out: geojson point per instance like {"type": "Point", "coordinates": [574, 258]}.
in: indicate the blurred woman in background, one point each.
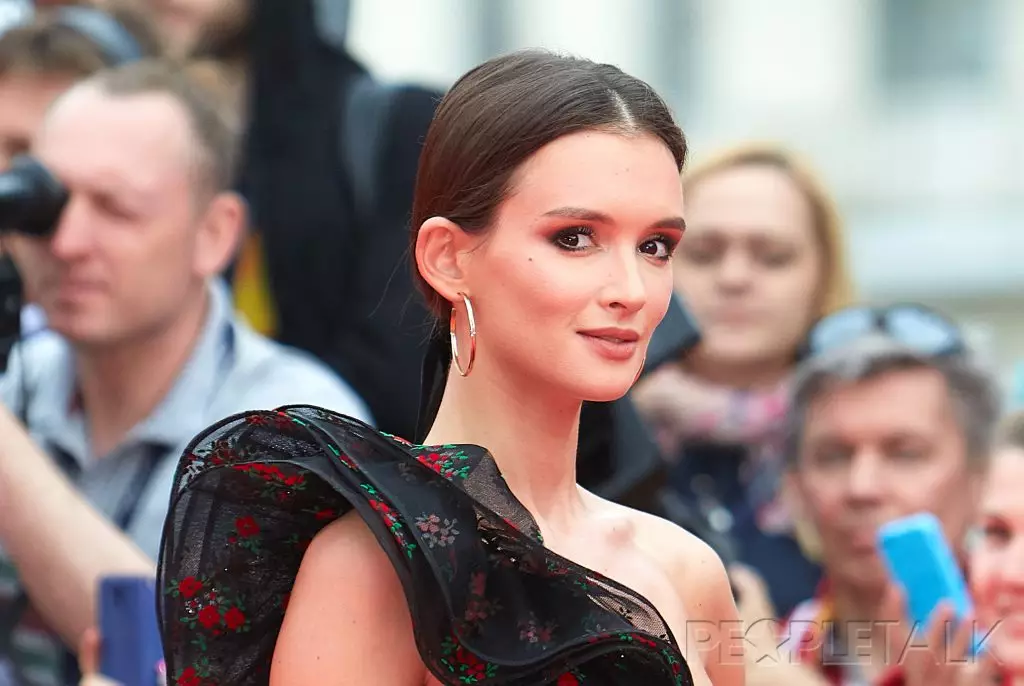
{"type": "Point", "coordinates": [997, 586]}
{"type": "Point", "coordinates": [997, 556]}
{"type": "Point", "coordinates": [763, 259]}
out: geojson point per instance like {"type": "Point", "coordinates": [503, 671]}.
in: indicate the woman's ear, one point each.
{"type": "Point", "coordinates": [441, 246]}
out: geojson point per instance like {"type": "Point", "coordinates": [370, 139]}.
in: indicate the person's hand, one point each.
{"type": "Point", "coordinates": [757, 614]}
{"type": "Point", "coordinates": [89, 661]}
{"type": "Point", "coordinates": [942, 656]}
{"type": "Point", "coordinates": [765, 666]}
{"type": "Point", "coordinates": [664, 400]}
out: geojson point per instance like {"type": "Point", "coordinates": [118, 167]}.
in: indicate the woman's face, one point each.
{"type": "Point", "coordinates": [997, 560]}
{"type": "Point", "coordinates": [576, 271]}
{"type": "Point", "coordinates": [750, 269]}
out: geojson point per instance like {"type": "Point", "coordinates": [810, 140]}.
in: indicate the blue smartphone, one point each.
{"type": "Point", "coordinates": [130, 650]}
{"type": "Point", "coordinates": [921, 561]}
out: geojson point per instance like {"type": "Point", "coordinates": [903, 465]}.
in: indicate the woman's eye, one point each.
{"type": "Point", "coordinates": [579, 238]}
{"type": "Point", "coordinates": [660, 248]}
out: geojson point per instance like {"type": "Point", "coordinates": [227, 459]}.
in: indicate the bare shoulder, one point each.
{"type": "Point", "coordinates": [347, 620]}
{"type": "Point", "coordinates": [691, 562]}
{"type": "Point", "coordinates": [684, 557]}
{"type": "Point", "coordinates": [701, 582]}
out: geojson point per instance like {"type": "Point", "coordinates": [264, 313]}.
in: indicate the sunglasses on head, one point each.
{"type": "Point", "coordinates": [915, 326]}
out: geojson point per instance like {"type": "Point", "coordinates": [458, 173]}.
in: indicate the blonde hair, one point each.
{"type": "Point", "coordinates": [837, 291]}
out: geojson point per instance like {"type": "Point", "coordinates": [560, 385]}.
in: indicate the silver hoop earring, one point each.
{"type": "Point", "coordinates": [471, 319]}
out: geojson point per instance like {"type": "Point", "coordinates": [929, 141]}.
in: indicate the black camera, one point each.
{"type": "Point", "coordinates": [31, 202]}
{"type": "Point", "coordinates": [31, 199]}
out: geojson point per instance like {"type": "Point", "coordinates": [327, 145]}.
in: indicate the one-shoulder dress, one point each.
{"type": "Point", "coordinates": [489, 603]}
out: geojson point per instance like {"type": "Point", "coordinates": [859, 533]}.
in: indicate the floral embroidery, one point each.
{"type": "Point", "coordinates": [468, 667]}
{"type": "Point", "coordinates": [293, 493]}
{"type": "Point", "coordinates": [276, 484]}
{"type": "Point", "coordinates": [345, 459]}
{"type": "Point", "coordinates": [276, 420]}
{"type": "Point", "coordinates": [194, 676]}
{"type": "Point", "coordinates": [449, 461]}
{"type": "Point", "coordinates": [247, 534]}
{"type": "Point", "coordinates": [209, 611]}
{"type": "Point", "coordinates": [390, 518]}
{"type": "Point", "coordinates": [533, 632]}
{"type": "Point", "coordinates": [637, 638]}
{"type": "Point", "coordinates": [676, 665]}
{"type": "Point", "coordinates": [479, 606]}
{"type": "Point", "coordinates": [399, 439]}
{"type": "Point", "coordinates": [437, 532]}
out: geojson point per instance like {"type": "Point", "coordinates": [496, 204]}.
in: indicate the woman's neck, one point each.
{"type": "Point", "coordinates": [533, 441]}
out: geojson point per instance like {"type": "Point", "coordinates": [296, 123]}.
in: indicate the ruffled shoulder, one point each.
{"type": "Point", "coordinates": [490, 604]}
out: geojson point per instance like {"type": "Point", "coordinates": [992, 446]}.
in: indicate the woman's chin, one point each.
{"type": "Point", "coordinates": [607, 392]}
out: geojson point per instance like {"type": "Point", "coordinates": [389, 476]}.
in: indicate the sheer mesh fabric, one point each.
{"type": "Point", "coordinates": [490, 604]}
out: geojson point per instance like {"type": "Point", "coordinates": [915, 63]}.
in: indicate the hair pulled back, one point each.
{"type": "Point", "coordinates": [500, 113]}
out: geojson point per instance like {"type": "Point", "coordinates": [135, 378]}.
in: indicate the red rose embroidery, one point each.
{"type": "Point", "coordinates": [209, 616]}
{"type": "Point", "coordinates": [567, 679]}
{"type": "Point", "coordinates": [234, 618]}
{"type": "Point", "coordinates": [188, 677]}
{"type": "Point", "coordinates": [246, 526]}
{"type": "Point", "coordinates": [189, 586]}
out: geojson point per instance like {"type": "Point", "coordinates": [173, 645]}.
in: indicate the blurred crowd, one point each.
{"type": "Point", "coordinates": [235, 238]}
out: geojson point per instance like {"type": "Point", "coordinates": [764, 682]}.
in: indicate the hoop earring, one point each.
{"type": "Point", "coordinates": [471, 318]}
{"type": "Point", "coordinates": [640, 371]}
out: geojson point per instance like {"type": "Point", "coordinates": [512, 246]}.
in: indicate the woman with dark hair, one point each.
{"type": "Point", "coordinates": [304, 547]}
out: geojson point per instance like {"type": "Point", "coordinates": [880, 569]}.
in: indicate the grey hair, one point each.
{"type": "Point", "coordinates": [973, 389]}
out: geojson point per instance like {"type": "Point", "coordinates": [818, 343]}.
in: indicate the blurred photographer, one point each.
{"type": "Point", "coordinates": [45, 51]}
{"type": "Point", "coordinates": [144, 350]}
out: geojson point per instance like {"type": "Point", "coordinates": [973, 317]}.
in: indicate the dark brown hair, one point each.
{"type": "Point", "coordinates": [502, 112]}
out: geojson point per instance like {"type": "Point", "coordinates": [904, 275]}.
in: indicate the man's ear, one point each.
{"type": "Point", "coordinates": [441, 251]}
{"type": "Point", "coordinates": [220, 231]}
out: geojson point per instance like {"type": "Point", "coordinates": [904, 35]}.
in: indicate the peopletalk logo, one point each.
{"type": "Point", "coordinates": [770, 640]}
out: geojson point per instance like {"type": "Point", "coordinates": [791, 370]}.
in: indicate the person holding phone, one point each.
{"type": "Point", "coordinates": [997, 584]}
{"type": "Point", "coordinates": [892, 415]}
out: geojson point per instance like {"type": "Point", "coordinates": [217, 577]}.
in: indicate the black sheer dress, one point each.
{"type": "Point", "coordinates": [489, 603]}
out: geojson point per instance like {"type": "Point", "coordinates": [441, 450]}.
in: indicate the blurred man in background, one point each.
{"type": "Point", "coordinates": [144, 350]}
{"type": "Point", "coordinates": [42, 56]}
{"type": "Point", "coordinates": [889, 423]}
